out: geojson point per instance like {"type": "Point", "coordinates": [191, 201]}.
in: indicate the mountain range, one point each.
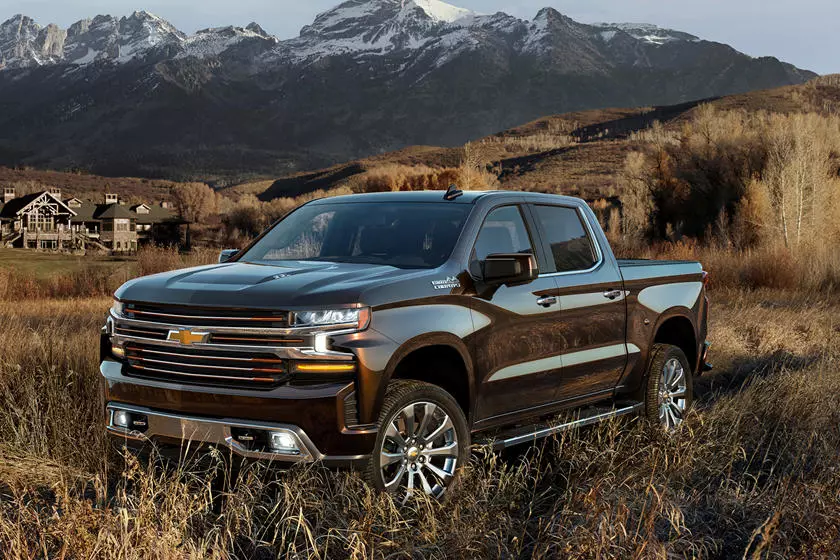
{"type": "Point", "coordinates": [136, 96]}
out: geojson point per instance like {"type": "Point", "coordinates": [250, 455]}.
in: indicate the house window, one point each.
{"type": "Point", "coordinates": [118, 246]}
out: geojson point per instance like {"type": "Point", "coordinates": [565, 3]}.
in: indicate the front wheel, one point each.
{"type": "Point", "coordinates": [670, 389]}
{"type": "Point", "coordinates": [423, 439]}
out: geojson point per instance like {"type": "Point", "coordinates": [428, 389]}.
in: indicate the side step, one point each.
{"type": "Point", "coordinates": [587, 417]}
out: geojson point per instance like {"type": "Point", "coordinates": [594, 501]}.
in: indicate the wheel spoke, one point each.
{"type": "Point", "coordinates": [390, 458]}
{"type": "Point", "coordinates": [407, 416]}
{"type": "Point", "coordinates": [676, 411]}
{"type": "Point", "coordinates": [448, 450]}
{"type": "Point", "coordinates": [681, 395]}
{"type": "Point", "coordinates": [672, 420]}
{"type": "Point", "coordinates": [442, 429]}
{"type": "Point", "coordinates": [393, 433]}
{"type": "Point", "coordinates": [678, 378]}
{"type": "Point", "coordinates": [428, 412]}
{"type": "Point", "coordinates": [442, 474]}
{"type": "Point", "coordinates": [397, 478]}
{"type": "Point", "coordinates": [426, 487]}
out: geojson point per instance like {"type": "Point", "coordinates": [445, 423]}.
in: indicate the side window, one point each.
{"type": "Point", "coordinates": [503, 231]}
{"type": "Point", "coordinates": [571, 246]}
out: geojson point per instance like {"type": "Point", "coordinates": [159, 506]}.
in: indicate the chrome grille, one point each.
{"type": "Point", "coordinates": [154, 332]}
{"type": "Point", "coordinates": [206, 316]}
{"type": "Point", "coordinates": [245, 348]}
{"type": "Point", "coordinates": [205, 366]}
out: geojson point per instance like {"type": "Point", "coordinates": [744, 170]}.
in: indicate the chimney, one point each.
{"type": "Point", "coordinates": [8, 194]}
{"type": "Point", "coordinates": [56, 192]}
{"type": "Point", "coordinates": [111, 198]}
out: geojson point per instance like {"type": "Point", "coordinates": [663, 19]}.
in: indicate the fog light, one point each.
{"type": "Point", "coordinates": [117, 351]}
{"type": "Point", "coordinates": [121, 418]}
{"type": "Point", "coordinates": [284, 442]}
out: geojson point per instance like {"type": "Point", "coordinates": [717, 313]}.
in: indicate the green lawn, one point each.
{"type": "Point", "coordinates": [42, 264]}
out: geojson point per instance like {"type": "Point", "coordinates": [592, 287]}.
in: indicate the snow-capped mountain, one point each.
{"type": "Point", "coordinates": [645, 32]}
{"type": "Point", "coordinates": [363, 77]}
{"type": "Point", "coordinates": [24, 43]}
{"type": "Point", "coordinates": [359, 28]}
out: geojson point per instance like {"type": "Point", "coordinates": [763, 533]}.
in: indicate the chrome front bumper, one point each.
{"type": "Point", "coordinates": [217, 432]}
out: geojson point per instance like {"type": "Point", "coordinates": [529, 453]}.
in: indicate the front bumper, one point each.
{"type": "Point", "coordinates": [177, 414]}
{"type": "Point", "coordinates": [164, 427]}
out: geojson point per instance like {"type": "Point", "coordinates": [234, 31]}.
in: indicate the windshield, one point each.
{"type": "Point", "coordinates": [403, 235]}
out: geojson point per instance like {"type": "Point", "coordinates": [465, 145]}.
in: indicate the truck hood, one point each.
{"type": "Point", "coordinates": [290, 285]}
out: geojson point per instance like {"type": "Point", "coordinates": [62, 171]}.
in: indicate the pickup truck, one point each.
{"type": "Point", "coordinates": [386, 332]}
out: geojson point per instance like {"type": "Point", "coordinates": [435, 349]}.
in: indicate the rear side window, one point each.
{"type": "Point", "coordinates": [503, 231]}
{"type": "Point", "coordinates": [571, 245]}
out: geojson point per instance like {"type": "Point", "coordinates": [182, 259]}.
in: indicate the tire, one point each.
{"type": "Point", "coordinates": [669, 387]}
{"type": "Point", "coordinates": [415, 454]}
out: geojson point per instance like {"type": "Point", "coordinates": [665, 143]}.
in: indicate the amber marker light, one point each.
{"type": "Point", "coordinates": [325, 368]}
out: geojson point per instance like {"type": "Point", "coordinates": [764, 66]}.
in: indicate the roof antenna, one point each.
{"type": "Point", "coordinates": [453, 192]}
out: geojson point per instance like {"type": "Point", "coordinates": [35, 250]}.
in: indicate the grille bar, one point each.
{"type": "Point", "coordinates": [206, 316]}
{"type": "Point", "coordinates": [223, 358]}
{"type": "Point", "coordinates": [265, 380]}
{"type": "Point", "coordinates": [205, 366]}
{"type": "Point", "coordinates": [202, 366]}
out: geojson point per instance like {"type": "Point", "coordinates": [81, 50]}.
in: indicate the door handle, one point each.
{"type": "Point", "coordinates": [547, 301]}
{"type": "Point", "coordinates": [613, 294]}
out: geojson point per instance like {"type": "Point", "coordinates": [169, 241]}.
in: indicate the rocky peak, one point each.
{"type": "Point", "coordinates": [24, 43]}
{"type": "Point", "coordinates": [257, 29]}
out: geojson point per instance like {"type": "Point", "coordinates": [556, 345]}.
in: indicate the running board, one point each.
{"type": "Point", "coordinates": [599, 415]}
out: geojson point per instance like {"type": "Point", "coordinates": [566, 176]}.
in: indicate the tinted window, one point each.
{"type": "Point", "coordinates": [503, 232]}
{"type": "Point", "coordinates": [570, 243]}
{"type": "Point", "coordinates": [404, 235]}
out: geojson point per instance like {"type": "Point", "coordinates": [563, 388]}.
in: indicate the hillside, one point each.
{"type": "Point", "coordinates": [84, 186]}
{"type": "Point", "coordinates": [576, 153]}
{"type": "Point", "coordinates": [136, 96]}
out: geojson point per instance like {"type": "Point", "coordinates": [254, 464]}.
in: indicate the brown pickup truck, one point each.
{"type": "Point", "coordinates": [388, 331]}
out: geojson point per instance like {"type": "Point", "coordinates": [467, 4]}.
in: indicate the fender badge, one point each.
{"type": "Point", "coordinates": [447, 284]}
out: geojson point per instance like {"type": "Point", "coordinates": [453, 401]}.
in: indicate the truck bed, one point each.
{"type": "Point", "coordinates": [639, 269]}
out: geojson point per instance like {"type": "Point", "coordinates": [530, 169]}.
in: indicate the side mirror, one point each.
{"type": "Point", "coordinates": [510, 269]}
{"type": "Point", "coordinates": [227, 254]}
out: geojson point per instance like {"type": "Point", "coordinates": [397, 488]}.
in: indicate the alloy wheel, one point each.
{"type": "Point", "coordinates": [673, 394]}
{"type": "Point", "coordinates": [419, 451]}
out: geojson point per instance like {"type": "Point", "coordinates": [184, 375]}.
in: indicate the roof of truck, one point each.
{"type": "Point", "coordinates": [468, 197]}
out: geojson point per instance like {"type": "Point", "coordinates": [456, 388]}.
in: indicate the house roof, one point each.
{"type": "Point", "coordinates": [113, 211]}
{"type": "Point", "coordinates": [157, 214]}
{"type": "Point", "coordinates": [15, 206]}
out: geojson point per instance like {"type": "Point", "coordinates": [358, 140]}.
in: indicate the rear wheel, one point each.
{"type": "Point", "coordinates": [423, 439]}
{"type": "Point", "coordinates": [670, 389]}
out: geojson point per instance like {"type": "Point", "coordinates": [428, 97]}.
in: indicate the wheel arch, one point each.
{"type": "Point", "coordinates": [677, 329]}
{"type": "Point", "coordinates": [407, 362]}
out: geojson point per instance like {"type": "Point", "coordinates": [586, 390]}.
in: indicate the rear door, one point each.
{"type": "Point", "coordinates": [592, 329]}
{"type": "Point", "coordinates": [515, 344]}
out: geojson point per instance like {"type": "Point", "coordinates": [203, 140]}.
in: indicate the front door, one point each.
{"type": "Point", "coordinates": [592, 303]}
{"type": "Point", "coordinates": [516, 345]}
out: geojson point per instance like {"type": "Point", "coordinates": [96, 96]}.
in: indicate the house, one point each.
{"type": "Point", "coordinates": [44, 221]}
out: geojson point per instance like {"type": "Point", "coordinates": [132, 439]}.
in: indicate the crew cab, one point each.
{"type": "Point", "coordinates": [386, 332]}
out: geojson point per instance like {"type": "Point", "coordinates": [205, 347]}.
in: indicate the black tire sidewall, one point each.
{"type": "Point", "coordinates": [399, 395]}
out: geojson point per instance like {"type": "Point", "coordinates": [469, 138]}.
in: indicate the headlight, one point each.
{"type": "Point", "coordinates": [117, 308]}
{"type": "Point", "coordinates": [355, 318]}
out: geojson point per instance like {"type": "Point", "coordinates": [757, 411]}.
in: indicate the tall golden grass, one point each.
{"type": "Point", "coordinates": [95, 279]}
{"type": "Point", "coordinates": [753, 473]}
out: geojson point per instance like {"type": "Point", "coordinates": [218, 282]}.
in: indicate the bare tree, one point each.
{"type": "Point", "coordinates": [194, 203]}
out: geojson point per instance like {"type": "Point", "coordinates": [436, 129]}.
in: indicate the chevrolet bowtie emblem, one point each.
{"type": "Point", "coordinates": [188, 337]}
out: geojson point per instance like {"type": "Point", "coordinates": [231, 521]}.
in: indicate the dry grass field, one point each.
{"type": "Point", "coordinates": [753, 473]}
{"type": "Point", "coordinates": [748, 185]}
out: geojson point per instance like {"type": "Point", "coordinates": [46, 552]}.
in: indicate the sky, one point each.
{"type": "Point", "coordinates": [803, 32]}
